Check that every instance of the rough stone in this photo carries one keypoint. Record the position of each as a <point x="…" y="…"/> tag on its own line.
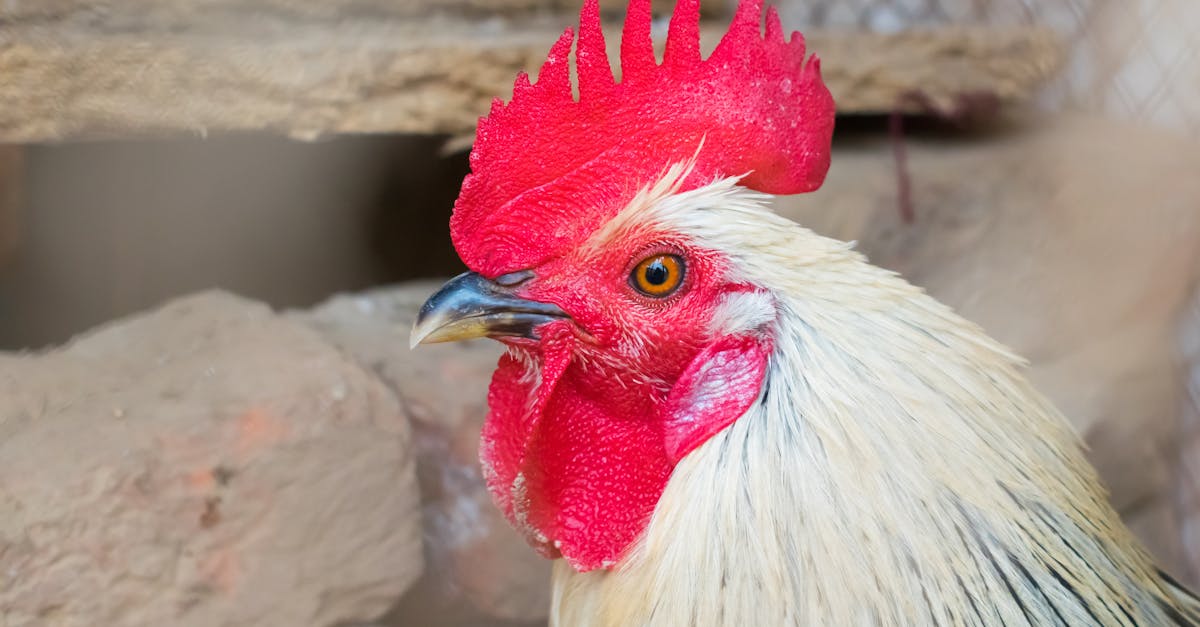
<point x="206" y="464"/>
<point x="479" y="571"/>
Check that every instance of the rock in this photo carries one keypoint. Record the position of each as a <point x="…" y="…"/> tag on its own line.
<point x="1075" y="241"/>
<point x="479" y="571"/>
<point x="207" y="464"/>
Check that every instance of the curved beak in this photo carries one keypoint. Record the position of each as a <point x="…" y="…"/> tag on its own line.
<point x="470" y="306"/>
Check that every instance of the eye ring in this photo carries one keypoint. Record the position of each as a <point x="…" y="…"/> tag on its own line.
<point x="658" y="276"/>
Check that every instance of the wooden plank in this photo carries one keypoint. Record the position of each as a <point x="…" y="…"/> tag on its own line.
<point x="65" y="79"/>
<point x="190" y="14"/>
<point x="916" y="71"/>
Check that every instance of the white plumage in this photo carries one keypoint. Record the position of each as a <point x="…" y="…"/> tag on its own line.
<point x="897" y="468"/>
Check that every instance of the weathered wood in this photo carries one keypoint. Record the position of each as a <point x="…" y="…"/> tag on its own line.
<point x="189" y="13"/>
<point x="940" y="69"/>
<point x="65" y="77"/>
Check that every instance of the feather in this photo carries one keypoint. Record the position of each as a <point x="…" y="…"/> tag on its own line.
<point x="898" y="469"/>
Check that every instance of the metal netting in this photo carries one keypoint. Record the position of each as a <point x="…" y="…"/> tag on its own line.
<point x="1131" y="59"/>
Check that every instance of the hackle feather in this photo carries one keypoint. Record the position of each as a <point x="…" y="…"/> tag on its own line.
<point x="897" y="469"/>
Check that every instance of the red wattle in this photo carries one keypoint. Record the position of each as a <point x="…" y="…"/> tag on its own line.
<point x="517" y="398"/>
<point x="575" y="470"/>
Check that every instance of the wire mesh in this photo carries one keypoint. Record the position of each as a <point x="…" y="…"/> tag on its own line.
<point x="1130" y="59"/>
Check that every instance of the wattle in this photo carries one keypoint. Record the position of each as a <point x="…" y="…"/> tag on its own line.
<point x="574" y="478"/>
<point x="577" y="456"/>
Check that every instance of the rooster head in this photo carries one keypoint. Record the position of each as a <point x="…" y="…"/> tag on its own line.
<point x="629" y="343"/>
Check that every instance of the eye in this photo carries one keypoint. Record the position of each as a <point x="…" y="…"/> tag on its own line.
<point x="658" y="276"/>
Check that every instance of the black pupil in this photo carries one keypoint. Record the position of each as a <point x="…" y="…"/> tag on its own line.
<point x="657" y="273"/>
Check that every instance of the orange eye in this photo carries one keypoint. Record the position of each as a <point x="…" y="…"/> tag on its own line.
<point x="658" y="276"/>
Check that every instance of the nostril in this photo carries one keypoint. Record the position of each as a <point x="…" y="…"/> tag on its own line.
<point x="513" y="279"/>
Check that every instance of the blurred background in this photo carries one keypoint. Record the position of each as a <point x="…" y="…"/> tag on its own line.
<point x="1033" y="163"/>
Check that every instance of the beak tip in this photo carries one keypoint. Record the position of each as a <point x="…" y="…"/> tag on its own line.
<point x="415" y="337"/>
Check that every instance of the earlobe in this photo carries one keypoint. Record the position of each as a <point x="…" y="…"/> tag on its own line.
<point x="717" y="388"/>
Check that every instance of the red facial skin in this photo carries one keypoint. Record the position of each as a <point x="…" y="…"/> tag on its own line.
<point x="629" y="386"/>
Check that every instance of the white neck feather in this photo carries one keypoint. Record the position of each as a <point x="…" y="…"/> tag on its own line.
<point x="897" y="469"/>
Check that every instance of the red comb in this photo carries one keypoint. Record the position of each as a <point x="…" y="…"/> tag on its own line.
<point x="548" y="170"/>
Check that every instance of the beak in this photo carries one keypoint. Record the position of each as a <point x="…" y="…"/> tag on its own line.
<point x="470" y="306"/>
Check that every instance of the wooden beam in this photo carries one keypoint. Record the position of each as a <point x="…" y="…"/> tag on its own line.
<point x="305" y="75"/>
<point x="190" y="14"/>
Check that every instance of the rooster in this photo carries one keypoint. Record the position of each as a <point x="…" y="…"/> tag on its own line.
<point x="716" y="417"/>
